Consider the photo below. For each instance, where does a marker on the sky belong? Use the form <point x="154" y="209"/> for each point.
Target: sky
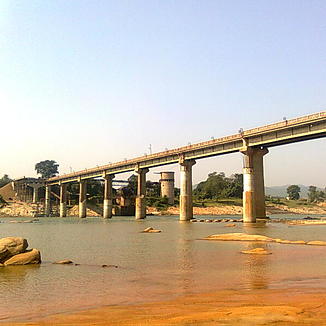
<point x="90" y="82"/>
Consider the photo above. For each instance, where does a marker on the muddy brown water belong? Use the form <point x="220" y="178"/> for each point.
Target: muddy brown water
<point x="151" y="267"/>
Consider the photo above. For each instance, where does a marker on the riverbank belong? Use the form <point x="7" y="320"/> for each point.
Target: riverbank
<point x="316" y="209"/>
<point x="28" y="210"/>
<point x="287" y="306"/>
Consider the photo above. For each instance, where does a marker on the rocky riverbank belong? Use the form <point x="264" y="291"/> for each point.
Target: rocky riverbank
<point x="22" y="209"/>
<point x="318" y="209"/>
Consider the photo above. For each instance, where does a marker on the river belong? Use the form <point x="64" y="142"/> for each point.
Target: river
<point x="150" y="267"/>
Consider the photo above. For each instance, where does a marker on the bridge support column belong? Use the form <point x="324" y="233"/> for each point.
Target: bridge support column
<point x="253" y="184"/>
<point x="82" y="198"/>
<point x="107" y="204"/>
<point x="186" y="209"/>
<point x="141" y="194"/>
<point x="35" y="193"/>
<point x="63" y="200"/>
<point x="47" y="208"/>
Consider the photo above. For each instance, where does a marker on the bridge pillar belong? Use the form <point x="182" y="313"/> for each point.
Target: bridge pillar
<point x="186" y="208"/>
<point x="253" y="184"/>
<point x="63" y="199"/>
<point x="35" y="193"/>
<point x="47" y="208"/>
<point x="107" y="204"/>
<point x="141" y="194"/>
<point x="82" y="198"/>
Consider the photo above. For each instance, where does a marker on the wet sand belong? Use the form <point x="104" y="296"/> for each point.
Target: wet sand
<point x="289" y="306"/>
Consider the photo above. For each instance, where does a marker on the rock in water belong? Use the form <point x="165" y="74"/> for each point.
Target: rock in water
<point x="317" y="243"/>
<point x="148" y="229"/>
<point x="256" y="251"/>
<point x="64" y="262"/>
<point x="29" y="257"/>
<point x="238" y="237"/>
<point x="11" y="246"/>
<point x="151" y="230"/>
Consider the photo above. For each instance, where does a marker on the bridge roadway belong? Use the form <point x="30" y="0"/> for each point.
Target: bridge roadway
<point x="253" y="143"/>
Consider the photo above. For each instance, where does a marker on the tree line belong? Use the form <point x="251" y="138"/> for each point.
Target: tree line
<point x="216" y="186"/>
<point x="314" y="195"/>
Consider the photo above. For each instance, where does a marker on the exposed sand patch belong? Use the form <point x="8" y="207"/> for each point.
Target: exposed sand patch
<point x="259" y="238"/>
<point x="256" y="307"/>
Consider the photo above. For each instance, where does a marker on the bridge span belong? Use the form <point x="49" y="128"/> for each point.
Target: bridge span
<point x="252" y="143"/>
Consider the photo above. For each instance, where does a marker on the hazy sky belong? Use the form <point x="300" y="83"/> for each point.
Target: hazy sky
<point x="89" y="82"/>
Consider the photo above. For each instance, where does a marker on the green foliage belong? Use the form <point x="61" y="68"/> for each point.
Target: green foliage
<point x="153" y="189"/>
<point x="293" y="192"/>
<point x="158" y="202"/>
<point x="315" y="195"/>
<point x="130" y="190"/>
<point x="5" y="180"/>
<point x="218" y="186"/>
<point x="47" y="168"/>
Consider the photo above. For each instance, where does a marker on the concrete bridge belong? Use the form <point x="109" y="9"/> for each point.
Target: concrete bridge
<point x="253" y="144"/>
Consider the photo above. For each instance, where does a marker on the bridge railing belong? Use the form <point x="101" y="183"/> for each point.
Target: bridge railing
<point x="184" y="149"/>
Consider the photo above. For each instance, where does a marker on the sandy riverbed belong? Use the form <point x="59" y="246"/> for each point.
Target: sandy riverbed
<point x="295" y="306"/>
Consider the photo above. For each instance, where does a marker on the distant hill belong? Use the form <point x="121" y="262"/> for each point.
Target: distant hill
<point x="280" y="191"/>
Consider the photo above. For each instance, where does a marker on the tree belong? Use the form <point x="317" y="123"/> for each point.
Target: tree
<point x="315" y="195"/>
<point x="293" y="192"/>
<point x="312" y="191"/>
<point x="4" y="180"/>
<point x="218" y="186"/>
<point x="47" y="168"/>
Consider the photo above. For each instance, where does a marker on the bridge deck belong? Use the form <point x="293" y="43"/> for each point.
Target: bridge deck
<point x="304" y="128"/>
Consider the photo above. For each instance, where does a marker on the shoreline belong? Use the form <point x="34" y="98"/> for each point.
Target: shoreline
<point x="284" y="306"/>
<point x="22" y="209"/>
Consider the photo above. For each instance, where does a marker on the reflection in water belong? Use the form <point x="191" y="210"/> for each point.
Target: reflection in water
<point x="185" y="258"/>
<point x="152" y="267"/>
<point x="255" y="267"/>
<point x="15" y="274"/>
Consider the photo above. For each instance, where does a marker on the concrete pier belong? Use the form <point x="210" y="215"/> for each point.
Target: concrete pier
<point x="82" y="198"/>
<point x="253" y="184"/>
<point x="141" y="194"/>
<point x="107" y="203"/>
<point x="63" y="200"/>
<point x="47" y="208"/>
<point x="167" y="186"/>
<point x="186" y="209"/>
<point x="35" y="193"/>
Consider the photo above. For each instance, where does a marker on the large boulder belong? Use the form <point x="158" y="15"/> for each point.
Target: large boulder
<point x="11" y="246"/>
<point x="32" y="256"/>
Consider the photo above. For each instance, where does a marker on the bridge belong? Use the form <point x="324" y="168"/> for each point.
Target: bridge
<point x="252" y="143"/>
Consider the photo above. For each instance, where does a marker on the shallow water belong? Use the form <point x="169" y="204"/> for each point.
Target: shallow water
<point x="151" y="267"/>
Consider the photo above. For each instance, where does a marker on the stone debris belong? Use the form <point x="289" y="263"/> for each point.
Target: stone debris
<point x="256" y="251"/>
<point x="231" y="225"/>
